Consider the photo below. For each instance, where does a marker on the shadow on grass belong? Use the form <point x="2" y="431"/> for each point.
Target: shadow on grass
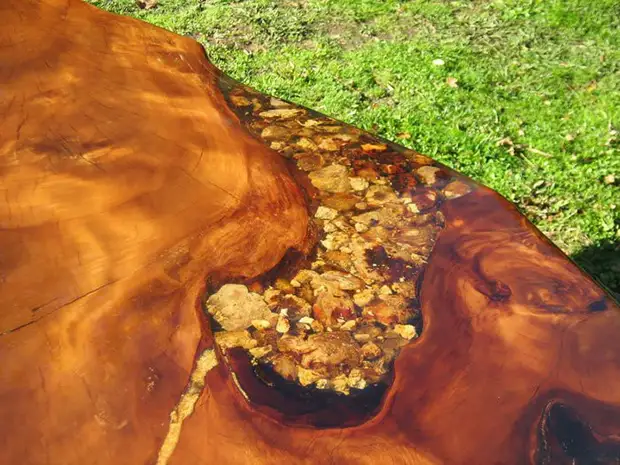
<point x="602" y="261"/>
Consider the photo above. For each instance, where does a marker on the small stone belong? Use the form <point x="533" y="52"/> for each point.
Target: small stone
<point x="388" y="309"/>
<point x="231" y="339"/>
<point x="371" y="217"/>
<point x="428" y="174"/>
<point x="343" y="224"/>
<point x="335" y="240"/>
<point x="282" y="113"/>
<point x="367" y="172"/>
<point x="306" y="144"/>
<point x="361" y="228"/>
<point x="358" y="184"/>
<point x="331" y="350"/>
<point x="380" y="195"/>
<point x="340" y="384"/>
<point x="234" y="307"/>
<point x="609" y="179"/>
<point x="355" y="379"/>
<point x="261" y="324"/>
<point x="285" y="366"/>
<point x="456" y="189"/>
<point x="322" y="384"/>
<point x="330" y="227"/>
<point x="317" y="327"/>
<point x="364" y="297"/>
<point x="284" y="285"/>
<point x="333" y="178"/>
<point x="309" y="161"/>
<point x="385" y="290"/>
<point x="329" y="145"/>
<point x="390" y="169"/>
<point x="405" y="331"/>
<point x="240" y="101"/>
<point x="311" y="123"/>
<point x="325" y="213"/>
<point x="260" y="352"/>
<point x="283" y="326"/>
<point x="347" y="137"/>
<point x="418" y="158"/>
<point x="338" y="258"/>
<point x="413" y="208"/>
<point x="424" y="199"/>
<point x="256" y="287"/>
<point x="405" y="288"/>
<point x="304" y="276"/>
<point x="438" y="62"/>
<point x="330" y="306"/>
<point x="274" y="132"/>
<point x="344" y="281"/>
<point x="363" y="337"/>
<point x="342" y="201"/>
<point x="277" y="103"/>
<point x="348" y="325"/>
<point x="277" y="145"/>
<point x="295" y="345"/>
<point x="370" y="350"/>
<point x="306" y="376"/>
<point x="271" y="295"/>
<point x="295" y="306"/>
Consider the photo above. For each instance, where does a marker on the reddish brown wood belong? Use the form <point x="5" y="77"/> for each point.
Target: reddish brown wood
<point x="128" y="179"/>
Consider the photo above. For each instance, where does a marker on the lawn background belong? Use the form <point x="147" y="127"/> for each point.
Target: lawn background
<point x="527" y="100"/>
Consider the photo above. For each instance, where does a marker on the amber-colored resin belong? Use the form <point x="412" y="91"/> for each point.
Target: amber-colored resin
<point x="137" y="181"/>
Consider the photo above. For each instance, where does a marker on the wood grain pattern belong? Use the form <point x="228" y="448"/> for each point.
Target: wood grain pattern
<point x="127" y="180"/>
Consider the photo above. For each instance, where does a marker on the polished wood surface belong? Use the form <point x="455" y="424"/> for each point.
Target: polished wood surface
<point x="131" y="178"/>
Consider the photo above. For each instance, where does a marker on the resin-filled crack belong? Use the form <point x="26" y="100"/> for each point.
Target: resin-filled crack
<point x="337" y="319"/>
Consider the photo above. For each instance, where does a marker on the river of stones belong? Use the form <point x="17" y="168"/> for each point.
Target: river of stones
<point x="339" y="322"/>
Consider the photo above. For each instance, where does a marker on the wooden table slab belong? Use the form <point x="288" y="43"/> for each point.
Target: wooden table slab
<point x="133" y="173"/>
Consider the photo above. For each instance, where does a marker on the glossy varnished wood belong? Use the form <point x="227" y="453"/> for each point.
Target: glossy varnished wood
<point x="128" y="179"/>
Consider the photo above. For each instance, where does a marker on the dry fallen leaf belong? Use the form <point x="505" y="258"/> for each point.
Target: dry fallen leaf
<point x="506" y="142"/>
<point x="404" y="135"/>
<point x="609" y="179"/>
<point x="452" y="82"/>
<point x="147" y="4"/>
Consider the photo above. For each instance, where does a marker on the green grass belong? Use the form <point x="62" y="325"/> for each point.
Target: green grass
<point x="534" y="114"/>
